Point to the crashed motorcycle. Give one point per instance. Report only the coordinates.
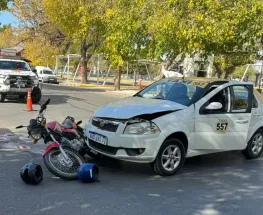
(61, 156)
(69, 123)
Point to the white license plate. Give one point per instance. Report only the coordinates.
(51, 79)
(98, 138)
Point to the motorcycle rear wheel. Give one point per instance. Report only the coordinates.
(56, 167)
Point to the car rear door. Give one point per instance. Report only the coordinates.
(227, 128)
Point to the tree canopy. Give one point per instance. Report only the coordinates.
(125, 31)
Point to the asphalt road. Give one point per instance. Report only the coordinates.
(223, 183)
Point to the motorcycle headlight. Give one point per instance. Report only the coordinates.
(36, 133)
(142, 128)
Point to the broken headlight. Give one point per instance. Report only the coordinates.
(141, 128)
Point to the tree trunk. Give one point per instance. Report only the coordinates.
(218, 70)
(84, 61)
(117, 83)
(229, 71)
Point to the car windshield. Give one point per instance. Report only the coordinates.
(47, 72)
(179, 92)
(14, 65)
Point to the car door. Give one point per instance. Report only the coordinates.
(227, 128)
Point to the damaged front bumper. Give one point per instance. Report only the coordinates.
(135, 148)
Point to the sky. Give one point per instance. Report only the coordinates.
(7, 18)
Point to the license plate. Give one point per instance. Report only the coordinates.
(98, 138)
(51, 79)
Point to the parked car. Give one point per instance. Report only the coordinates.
(173, 119)
(45, 74)
(16, 78)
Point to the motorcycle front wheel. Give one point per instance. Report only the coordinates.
(56, 165)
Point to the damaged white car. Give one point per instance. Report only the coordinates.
(177, 118)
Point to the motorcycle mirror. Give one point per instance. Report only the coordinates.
(20, 126)
(79, 122)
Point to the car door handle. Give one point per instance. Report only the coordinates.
(241, 121)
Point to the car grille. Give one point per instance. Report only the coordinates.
(105, 124)
(22, 81)
(103, 148)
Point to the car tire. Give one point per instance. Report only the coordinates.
(36, 95)
(255, 145)
(170, 158)
(2, 97)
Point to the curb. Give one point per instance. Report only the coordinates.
(101, 86)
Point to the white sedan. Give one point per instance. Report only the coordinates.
(177, 118)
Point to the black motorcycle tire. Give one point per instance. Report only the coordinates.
(58, 173)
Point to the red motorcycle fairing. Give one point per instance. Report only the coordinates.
(55, 126)
(50, 147)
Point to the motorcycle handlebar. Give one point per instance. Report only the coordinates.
(44, 106)
(47, 102)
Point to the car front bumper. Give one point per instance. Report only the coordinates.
(50, 79)
(9, 90)
(134, 148)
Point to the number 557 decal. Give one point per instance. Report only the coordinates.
(221, 126)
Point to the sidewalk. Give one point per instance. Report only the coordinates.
(128, 90)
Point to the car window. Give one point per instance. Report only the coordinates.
(181, 93)
(221, 97)
(240, 99)
(14, 65)
(47, 72)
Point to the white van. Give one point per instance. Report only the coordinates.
(45, 74)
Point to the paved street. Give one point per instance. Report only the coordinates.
(216, 184)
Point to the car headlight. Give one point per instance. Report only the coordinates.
(6, 80)
(141, 128)
(2, 76)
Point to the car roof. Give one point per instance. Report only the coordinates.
(204, 82)
(13, 60)
(196, 81)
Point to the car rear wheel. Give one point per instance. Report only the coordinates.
(255, 145)
(170, 158)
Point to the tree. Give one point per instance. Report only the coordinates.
(204, 26)
(3, 4)
(8, 38)
(40, 51)
(42, 40)
(82, 20)
(126, 35)
(239, 72)
(226, 64)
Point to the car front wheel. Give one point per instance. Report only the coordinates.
(255, 145)
(170, 158)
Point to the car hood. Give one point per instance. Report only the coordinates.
(15, 72)
(136, 106)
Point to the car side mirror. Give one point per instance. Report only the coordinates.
(214, 106)
(34, 70)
